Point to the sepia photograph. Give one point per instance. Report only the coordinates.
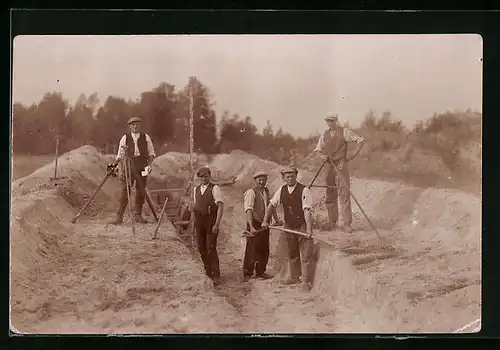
(246, 184)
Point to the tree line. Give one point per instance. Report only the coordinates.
(165, 110)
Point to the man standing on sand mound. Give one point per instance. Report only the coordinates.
(333, 144)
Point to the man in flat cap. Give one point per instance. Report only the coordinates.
(333, 143)
(256, 200)
(208, 206)
(297, 205)
(140, 150)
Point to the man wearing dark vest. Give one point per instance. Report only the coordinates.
(208, 207)
(297, 205)
(333, 143)
(256, 200)
(140, 150)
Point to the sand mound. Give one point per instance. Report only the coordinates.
(95, 278)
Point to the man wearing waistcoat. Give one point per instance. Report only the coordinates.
(208, 207)
(297, 205)
(141, 152)
(333, 143)
(256, 200)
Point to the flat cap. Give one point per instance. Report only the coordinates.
(289, 169)
(134, 120)
(259, 174)
(203, 171)
(331, 116)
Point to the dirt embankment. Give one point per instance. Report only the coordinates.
(96, 278)
(427, 270)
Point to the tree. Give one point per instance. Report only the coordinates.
(157, 110)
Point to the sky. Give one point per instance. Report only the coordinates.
(291, 80)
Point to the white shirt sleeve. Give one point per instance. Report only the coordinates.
(194, 194)
(217, 194)
(121, 153)
(151, 149)
(249, 200)
(351, 136)
(276, 200)
(321, 143)
(306, 198)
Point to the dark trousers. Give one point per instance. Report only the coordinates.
(207, 243)
(256, 251)
(140, 182)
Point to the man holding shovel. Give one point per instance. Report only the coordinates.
(333, 143)
(256, 201)
(297, 205)
(141, 153)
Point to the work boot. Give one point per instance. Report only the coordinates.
(263, 276)
(139, 219)
(305, 287)
(246, 278)
(117, 221)
(216, 280)
(346, 228)
(291, 281)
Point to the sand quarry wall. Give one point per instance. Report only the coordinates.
(417, 220)
(448, 221)
(40, 224)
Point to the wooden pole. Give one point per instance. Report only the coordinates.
(346, 185)
(57, 157)
(161, 217)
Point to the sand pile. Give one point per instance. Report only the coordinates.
(96, 278)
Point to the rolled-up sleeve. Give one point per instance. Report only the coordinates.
(151, 149)
(249, 200)
(217, 194)
(306, 198)
(321, 144)
(351, 136)
(276, 200)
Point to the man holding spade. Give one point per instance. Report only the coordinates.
(256, 201)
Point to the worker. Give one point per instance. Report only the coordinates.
(139, 149)
(333, 144)
(297, 205)
(208, 207)
(256, 200)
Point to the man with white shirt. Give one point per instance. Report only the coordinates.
(333, 143)
(208, 206)
(256, 200)
(140, 150)
(297, 205)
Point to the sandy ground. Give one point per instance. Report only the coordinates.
(92, 277)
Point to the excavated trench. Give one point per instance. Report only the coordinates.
(96, 278)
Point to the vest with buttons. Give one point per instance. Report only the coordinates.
(259, 205)
(334, 143)
(141, 145)
(292, 206)
(204, 204)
